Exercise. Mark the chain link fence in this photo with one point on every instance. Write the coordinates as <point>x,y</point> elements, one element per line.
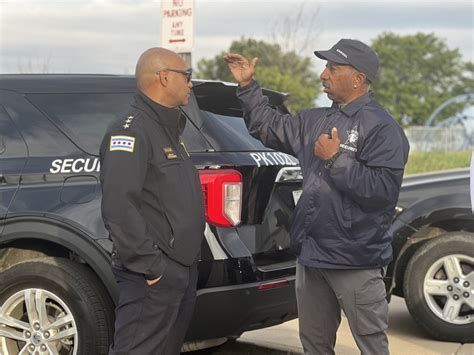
<point>444,139</point>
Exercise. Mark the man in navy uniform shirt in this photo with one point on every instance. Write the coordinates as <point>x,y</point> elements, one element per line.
<point>152,206</point>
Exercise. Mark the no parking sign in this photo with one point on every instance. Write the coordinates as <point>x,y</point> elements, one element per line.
<point>177,25</point>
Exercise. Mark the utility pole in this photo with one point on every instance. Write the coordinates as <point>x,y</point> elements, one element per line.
<point>187,58</point>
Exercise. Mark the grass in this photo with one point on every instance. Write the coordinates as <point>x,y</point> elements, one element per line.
<point>423,162</point>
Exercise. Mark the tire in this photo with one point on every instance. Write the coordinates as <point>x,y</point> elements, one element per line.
<point>69,313</point>
<point>439,287</point>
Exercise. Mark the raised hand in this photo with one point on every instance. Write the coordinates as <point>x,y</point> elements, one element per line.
<point>241,68</point>
<point>327,146</point>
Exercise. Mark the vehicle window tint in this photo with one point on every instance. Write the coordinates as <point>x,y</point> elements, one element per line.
<point>84,117</point>
<point>193,139</point>
<point>12,144</point>
<point>12,161</point>
<point>229,133</point>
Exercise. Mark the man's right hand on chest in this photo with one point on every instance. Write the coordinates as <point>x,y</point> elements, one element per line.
<point>154,281</point>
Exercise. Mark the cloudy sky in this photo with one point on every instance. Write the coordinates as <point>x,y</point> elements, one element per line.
<point>107,36</point>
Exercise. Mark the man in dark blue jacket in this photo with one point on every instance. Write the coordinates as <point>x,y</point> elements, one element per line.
<point>352,155</point>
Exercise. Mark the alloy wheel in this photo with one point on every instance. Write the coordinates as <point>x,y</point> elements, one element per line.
<point>37,322</point>
<point>449,289</point>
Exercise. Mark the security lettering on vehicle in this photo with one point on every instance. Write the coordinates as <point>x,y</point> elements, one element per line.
<point>80,165</point>
<point>89,165</point>
<point>273,158</point>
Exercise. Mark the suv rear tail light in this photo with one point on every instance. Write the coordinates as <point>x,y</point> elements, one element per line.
<point>222,191</point>
<point>273,284</point>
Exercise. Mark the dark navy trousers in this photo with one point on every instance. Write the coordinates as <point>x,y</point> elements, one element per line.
<point>153,320</point>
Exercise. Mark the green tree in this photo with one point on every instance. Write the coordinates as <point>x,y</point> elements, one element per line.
<point>466,80</point>
<point>418,73</point>
<point>277,70</point>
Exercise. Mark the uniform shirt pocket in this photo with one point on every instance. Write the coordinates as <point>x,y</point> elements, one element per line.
<point>169,163</point>
<point>169,175</point>
<point>371,308</point>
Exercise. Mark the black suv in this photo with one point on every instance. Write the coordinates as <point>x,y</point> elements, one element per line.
<point>57,291</point>
<point>433,250</point>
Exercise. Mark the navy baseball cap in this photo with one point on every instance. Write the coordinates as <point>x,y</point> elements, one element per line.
<point>355,53</point>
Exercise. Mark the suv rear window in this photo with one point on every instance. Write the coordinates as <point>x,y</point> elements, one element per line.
<point>84,118</point>
<point>229,133</point>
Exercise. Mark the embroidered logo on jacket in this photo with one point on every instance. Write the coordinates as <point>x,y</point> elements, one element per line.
<point>351,140</point>
<point>123,143</point>
<point>169,153</point>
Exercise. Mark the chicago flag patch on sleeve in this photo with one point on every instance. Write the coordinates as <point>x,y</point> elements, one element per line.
<point>123,143</point>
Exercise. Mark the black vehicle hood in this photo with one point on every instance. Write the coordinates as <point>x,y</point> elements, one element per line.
<point>419,187</point>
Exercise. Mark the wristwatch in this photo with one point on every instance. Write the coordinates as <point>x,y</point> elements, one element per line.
<point>329,163</point>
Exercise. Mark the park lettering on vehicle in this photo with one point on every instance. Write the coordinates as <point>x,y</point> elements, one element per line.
<point>75,166</point>
<point>273,158</point>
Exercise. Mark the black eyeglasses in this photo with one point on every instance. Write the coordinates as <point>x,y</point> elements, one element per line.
<point>188,73</point>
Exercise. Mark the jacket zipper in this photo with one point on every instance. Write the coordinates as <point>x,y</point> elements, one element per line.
<point>182,143</point>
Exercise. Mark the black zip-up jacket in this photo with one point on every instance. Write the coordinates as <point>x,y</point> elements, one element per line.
<point>152,203</point>
<point>343,215</point>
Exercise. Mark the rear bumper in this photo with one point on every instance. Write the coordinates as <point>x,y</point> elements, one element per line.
<point>231,310</point>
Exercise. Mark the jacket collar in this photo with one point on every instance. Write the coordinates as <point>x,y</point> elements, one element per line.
<point>171,117</point>
<point>352,107</point>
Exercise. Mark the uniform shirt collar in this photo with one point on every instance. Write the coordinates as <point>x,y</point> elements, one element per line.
<point>352,107</point>
<point>164,115</point>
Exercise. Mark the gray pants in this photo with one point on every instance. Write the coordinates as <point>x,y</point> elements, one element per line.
<point>321,293</point>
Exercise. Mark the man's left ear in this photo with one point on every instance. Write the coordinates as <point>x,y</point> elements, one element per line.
<point>360,79</point>
<point>163,78</point>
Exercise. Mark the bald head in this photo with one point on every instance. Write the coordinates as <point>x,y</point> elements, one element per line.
<point>152,61</point>
<point>171,87</point>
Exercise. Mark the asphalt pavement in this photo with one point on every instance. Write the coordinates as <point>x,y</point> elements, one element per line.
<point>405,338</point>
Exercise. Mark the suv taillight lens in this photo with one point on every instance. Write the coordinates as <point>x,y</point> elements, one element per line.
<point>222,191</point>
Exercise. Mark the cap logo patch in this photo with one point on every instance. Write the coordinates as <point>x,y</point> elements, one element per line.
<point>341,53</point>
<point>123,143</point>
